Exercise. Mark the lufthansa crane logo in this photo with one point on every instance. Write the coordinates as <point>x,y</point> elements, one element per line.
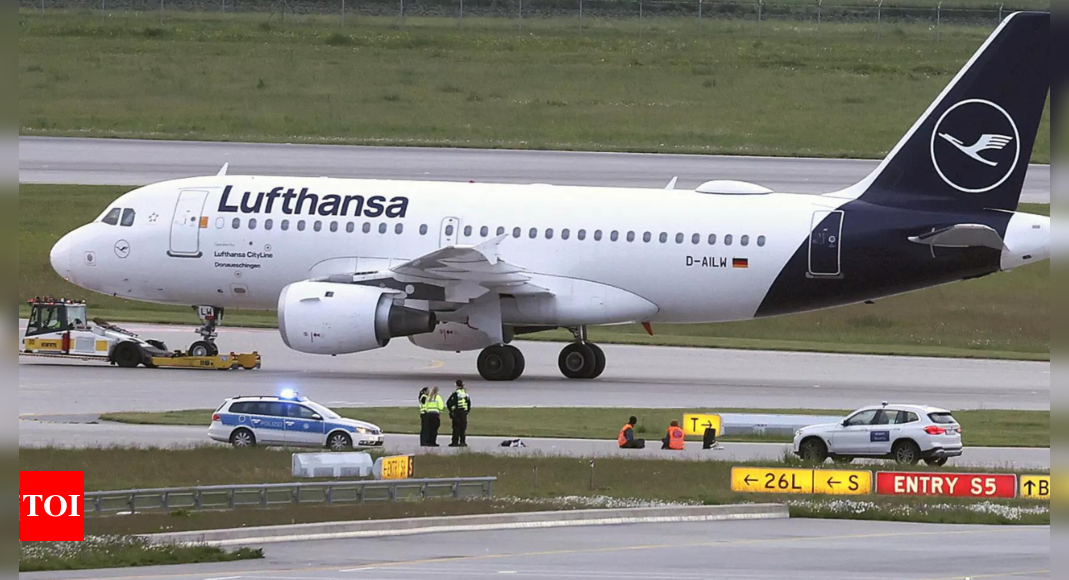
<point>976,146</point>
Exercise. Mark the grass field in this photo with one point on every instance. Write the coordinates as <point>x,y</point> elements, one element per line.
<point>113,551</point>
<point>1002,316</point>
<point>981,428</point>
<point>665,85</point>
<point>526,483</point>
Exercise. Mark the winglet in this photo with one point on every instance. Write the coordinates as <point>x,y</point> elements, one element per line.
<point>222,172</point>
<point>672,184</point>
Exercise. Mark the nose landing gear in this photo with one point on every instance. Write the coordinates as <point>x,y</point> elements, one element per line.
<point>210,317</point>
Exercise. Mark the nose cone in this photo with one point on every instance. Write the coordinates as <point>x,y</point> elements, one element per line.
<point>61,257</point>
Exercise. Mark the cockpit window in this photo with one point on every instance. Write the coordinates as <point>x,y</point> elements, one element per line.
<point>128,216</point>
<point>112,219</point>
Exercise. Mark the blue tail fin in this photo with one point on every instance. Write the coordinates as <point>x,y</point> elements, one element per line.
<point>972,148</point>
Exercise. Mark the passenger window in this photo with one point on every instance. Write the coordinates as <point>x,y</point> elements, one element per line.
<point>300,412</point>
<point>484,231</point>
<point>500,231</point>
<point>423,230</point>
<point>269,225</point>
<point>597,236</point>
<point>549,233</point>
<point>905,417</point>
<point>112,219</point>
<point>382,228</point>
<point>128,216</point>
<point>534,233</point>
<point>728,240</point>
<point>679,238</point>
<point>300,226</point>
<point>367,228</point>
<point>285,225</point>
<point>467,231</point>
<point>647,237</point>
<point>862,418</point>
<point>252,224</point>
<point>565,234</point>
<point>712,239</point>
<point>317,226</point>
<point>399,229</point>
<point>236,224</point>
<point>334,227</point>
<point>239,408</point>
<point>761,241</point>
<point>581,235</point>
<point>630,236</point>
<point>517,232</point>
<point>663,237</point>
<point>696,239</point>
<point>614,236</point>
<point>887,418</point>
<point>350,227</point>
<point>745,241</point>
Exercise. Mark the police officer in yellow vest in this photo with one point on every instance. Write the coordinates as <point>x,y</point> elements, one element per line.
<point>459,405</point>
<point>433,409</point>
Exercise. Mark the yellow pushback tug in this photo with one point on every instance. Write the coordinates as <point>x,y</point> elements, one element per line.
<point>58,328</point>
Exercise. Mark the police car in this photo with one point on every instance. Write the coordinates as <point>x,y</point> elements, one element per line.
<point>289,420</point>
<point>908,434</point>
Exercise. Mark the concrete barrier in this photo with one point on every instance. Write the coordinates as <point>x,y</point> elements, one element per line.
<point>492,522</point>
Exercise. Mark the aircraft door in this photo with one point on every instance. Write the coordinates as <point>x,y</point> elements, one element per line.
<point>186,225</point>
<point>825,245</point>
<point>450,232</point>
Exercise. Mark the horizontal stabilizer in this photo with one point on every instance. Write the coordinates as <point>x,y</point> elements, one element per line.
<point>962,236</point>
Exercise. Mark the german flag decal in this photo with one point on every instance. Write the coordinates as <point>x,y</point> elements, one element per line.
<point>740,263</point>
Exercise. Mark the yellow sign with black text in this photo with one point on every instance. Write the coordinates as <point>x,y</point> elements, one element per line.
<point>842,482</point>
<point>400,467</point>
<point>1035,487</point>
<point>695,425</point>
<point>761,480</point>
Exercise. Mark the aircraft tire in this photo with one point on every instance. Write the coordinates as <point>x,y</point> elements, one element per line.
<point>521,362</point>
<point>203,348</point>
<point>497,363</point>
<point>578,361</point>
<point>599,357</point>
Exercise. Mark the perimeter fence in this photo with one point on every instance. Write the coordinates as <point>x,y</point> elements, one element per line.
<point>583,12</point>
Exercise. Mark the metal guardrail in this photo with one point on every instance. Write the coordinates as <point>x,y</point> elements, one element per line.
<point>229,497</point>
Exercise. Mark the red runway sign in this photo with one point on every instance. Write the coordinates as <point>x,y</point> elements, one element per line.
<point>947,485</point>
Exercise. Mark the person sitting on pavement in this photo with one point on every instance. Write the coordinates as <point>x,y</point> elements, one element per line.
<point>675,440</point>
<point>626,439</point>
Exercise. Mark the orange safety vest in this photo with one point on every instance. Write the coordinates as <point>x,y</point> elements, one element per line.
<point>622,439</point>
<point>676,439</point>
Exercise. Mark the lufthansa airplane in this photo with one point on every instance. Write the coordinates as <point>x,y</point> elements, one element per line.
<point>351,264</point>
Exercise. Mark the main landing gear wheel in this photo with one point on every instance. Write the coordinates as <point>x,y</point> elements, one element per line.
<point>582,360</point>
<point>501,363</point>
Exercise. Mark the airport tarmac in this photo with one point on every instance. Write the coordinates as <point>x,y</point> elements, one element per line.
<point>134,163</point>
<point>636,377</point>
<point>81,432</point>
<point>758,550</point>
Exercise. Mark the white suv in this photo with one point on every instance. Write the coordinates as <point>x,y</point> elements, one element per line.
<point>907,434</point>
<point>291,421</point>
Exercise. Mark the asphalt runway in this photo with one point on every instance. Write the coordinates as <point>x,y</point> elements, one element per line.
<point>760,550</point>
<point>135,163</point>
<point>80,432</point>
<point>636,377</point>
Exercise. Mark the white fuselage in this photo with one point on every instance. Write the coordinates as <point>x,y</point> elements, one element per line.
<point>181,252</point>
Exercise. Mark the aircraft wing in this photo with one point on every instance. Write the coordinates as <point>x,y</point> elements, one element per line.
<point>456,274</point>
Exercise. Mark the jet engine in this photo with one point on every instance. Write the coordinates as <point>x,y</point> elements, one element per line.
<point>329,318</point>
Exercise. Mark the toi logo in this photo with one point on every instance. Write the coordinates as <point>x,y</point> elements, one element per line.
<point>51,506</point>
